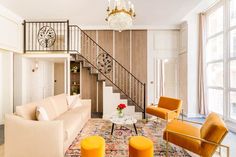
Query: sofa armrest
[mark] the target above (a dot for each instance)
(27, 138)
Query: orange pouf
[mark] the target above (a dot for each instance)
(93, 146)
(140, 146)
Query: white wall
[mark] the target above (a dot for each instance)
(32, 86)
(10, 41)
(110, 102)
(162, 44)
(11, 31)
(6, 84)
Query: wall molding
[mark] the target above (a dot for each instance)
(11, 27)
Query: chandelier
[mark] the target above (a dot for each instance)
(120, 14)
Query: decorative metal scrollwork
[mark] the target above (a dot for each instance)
(46, 36)
(104, 63)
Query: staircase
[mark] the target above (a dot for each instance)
(92, 56)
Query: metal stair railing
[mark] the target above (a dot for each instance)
(109, 67)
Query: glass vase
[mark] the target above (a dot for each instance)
(120, 113)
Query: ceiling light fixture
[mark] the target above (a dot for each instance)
(120, 14)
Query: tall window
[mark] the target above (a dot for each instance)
(221, 59)
(214, 59)
(232, 56)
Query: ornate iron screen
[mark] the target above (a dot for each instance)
(46, 36)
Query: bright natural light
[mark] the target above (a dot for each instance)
(215, 22)
(219, 82)
(215, 48)
(214, 59)
(233, 43)
(215, 100)
(232, 12)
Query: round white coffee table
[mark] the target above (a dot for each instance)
(125, 120)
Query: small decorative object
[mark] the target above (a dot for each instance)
(74, 69)
(75, 90)
(46, 36)
(104, 63)
(120, 108)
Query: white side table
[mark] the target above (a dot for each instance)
(125, 120)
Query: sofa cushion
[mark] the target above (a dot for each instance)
(73, 121)
(49, 107)
(60, 103)
(27, 111)
(73, 101)
(160, 112)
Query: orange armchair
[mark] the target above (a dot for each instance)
(203, 141)
(167, 109)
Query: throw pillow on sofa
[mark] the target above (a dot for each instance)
(41, 114)
(73, 101)
(49, 108)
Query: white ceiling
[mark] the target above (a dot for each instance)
(150, 13)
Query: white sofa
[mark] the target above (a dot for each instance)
(27, 137)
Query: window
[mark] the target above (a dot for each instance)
(232, 62)
(232, 12)
(221, 59)
(214, 59)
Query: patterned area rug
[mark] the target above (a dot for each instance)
(117, 144)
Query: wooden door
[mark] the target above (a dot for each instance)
(59, 78)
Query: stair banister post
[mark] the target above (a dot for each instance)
(68, 36)
(24, 36)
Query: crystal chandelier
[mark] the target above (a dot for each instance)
(120, 14)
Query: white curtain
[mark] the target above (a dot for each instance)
(202, 98)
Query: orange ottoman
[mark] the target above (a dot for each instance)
(140, 146)
(93, 146)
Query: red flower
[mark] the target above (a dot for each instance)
(121, 106)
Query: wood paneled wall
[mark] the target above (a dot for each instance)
(139, 54)
(122, 48)
(92, 89)
(127, 47)
(92, 34)
(105, 40)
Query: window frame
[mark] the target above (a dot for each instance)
(229, 89)
(226, 57)
(212, 36)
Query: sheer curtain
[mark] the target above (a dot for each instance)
(202, 102)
